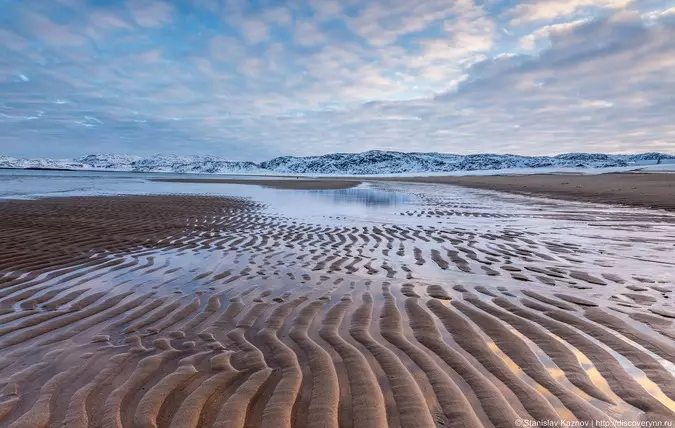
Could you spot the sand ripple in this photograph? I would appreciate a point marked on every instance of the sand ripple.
(186, 311)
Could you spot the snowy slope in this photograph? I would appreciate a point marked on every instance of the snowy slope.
(9, 162)
(192, 164)
(109, 161)
(378, 162)
(366, 163)
(156, 163)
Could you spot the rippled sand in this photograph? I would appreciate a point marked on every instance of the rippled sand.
(457, 308)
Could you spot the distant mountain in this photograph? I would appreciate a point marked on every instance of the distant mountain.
(156, 163)
(366, 163)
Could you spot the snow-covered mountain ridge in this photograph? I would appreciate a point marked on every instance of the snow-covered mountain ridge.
(156, 163)
(366, 163)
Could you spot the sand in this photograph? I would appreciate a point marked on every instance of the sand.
(287, 183)
(635, 189)
(195, 311)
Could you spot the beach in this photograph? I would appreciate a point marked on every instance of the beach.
(650, 190)
(337, 304)
(647, 190)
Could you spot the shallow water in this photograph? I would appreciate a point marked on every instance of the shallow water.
(632, 243)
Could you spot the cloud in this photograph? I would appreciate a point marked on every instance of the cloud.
(383, 23)
(236, 79)
(656, 15)
(326, 9)
(307, 33)
(150, 13)
(279, 15)
(254, 31)
(529, 42)
(226, 48)
(543, 10)
(52, 32)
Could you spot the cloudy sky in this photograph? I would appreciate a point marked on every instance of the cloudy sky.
(252, 80)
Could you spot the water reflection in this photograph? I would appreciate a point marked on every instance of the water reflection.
(363, 196)
(32, 184)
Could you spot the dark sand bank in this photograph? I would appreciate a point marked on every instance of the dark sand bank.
(643, 190)
(290, 183)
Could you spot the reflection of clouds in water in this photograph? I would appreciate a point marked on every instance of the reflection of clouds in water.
(368, 197)
(29, 184)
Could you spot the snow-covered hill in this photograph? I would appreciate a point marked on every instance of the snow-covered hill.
(366, 163)
(156, 163)
(192, 164)
(9, 162)
(379, 162)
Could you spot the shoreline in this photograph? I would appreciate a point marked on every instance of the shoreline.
(645, 190)
(636, 189)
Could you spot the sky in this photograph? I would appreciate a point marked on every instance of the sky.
(257, 79)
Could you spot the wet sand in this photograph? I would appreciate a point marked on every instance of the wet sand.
(186, 311)
(288, 183)
(634, 189)
(631, 189)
